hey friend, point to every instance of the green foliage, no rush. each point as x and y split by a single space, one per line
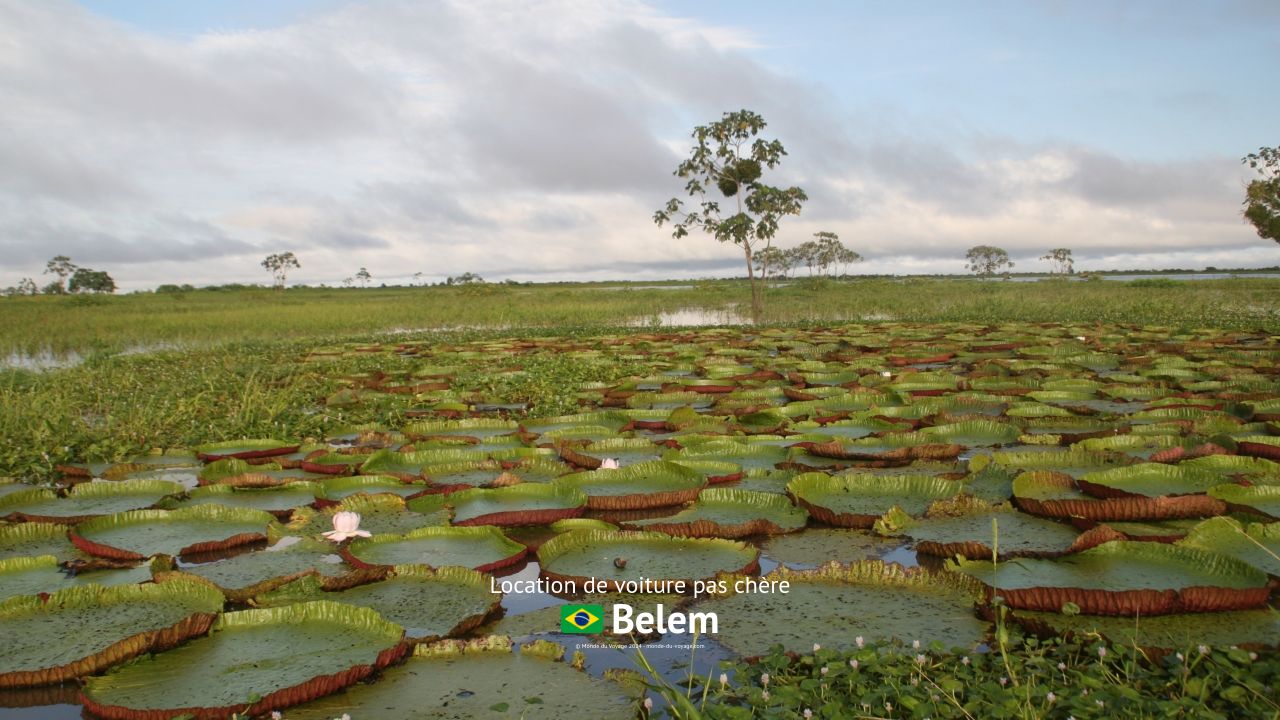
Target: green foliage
729 155
1262 196
279 265
84 280
987 260
1044 679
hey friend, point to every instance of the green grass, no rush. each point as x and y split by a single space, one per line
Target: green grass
85 325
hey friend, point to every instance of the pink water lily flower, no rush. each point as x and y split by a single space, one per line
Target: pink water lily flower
609 464
346 524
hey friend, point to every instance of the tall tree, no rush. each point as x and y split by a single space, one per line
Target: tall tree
279 265
771 258
729 156
61 266
1262 196
364 277
95 281
987 260
1060 261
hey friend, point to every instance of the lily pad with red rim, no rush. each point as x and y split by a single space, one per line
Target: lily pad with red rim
244 449
1126 578
428 603
501 682
83 630
616 557
312 649
636 487
857 500
483 549
892 604
139 534
729 513
515 505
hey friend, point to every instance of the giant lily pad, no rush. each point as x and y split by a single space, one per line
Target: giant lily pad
617 557
139 534
1057 495
819 546
279 501
429 604
340 487
245 575
1254 543
1244 628
43 574
1263 499
312 649
1126 578
729 513
30 539
523 504
1148 480
244 449
83 630
636 487
499 684
857 500
482 548
974 433
891 604
87 500
379 514
973 531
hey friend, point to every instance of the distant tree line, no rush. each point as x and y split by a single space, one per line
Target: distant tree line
69 278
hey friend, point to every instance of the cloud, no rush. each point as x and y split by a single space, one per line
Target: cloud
513 140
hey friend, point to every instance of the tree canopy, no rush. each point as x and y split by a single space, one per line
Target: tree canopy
729 156
279 265
987 260
1262 196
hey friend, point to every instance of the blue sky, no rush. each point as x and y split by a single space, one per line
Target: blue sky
161 139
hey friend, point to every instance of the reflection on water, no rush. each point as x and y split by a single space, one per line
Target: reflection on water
692 317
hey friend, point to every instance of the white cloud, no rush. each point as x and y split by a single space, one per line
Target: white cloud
515 140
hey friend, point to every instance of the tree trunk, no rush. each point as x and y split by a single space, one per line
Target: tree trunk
757 301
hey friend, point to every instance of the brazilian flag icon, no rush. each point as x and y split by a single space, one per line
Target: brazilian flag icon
581 618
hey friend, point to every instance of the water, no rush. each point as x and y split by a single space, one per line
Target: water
1144 276
692 317
45 359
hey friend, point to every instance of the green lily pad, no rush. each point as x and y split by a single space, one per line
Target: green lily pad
138 534
856 500
511 506
1149 480
245 575
1244 628
636 487
82 630
819 546
340 487
891 603
972 534
1264 499
42 574
244 449
88 500
30 539
1254 543
276 500
429 604
312 649
974 433
498 683
595 554
729 513
482 548
1126 578
379 514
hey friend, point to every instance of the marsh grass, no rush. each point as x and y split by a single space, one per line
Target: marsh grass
32 325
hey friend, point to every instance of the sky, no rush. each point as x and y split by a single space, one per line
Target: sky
182 142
